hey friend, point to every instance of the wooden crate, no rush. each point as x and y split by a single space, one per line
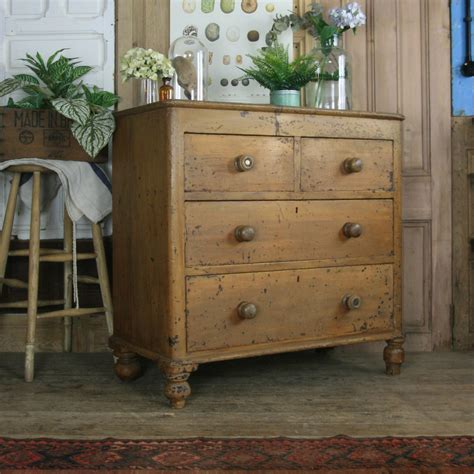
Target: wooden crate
37 133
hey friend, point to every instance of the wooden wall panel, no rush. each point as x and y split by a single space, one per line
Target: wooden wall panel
463 224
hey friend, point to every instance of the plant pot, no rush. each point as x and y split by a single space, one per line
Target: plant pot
285 98
39 133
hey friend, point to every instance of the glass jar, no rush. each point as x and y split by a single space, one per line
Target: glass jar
148 91
333 88
166 90
191 61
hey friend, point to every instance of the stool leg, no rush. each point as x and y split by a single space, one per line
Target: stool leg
6 233
103 276
33 274
67 282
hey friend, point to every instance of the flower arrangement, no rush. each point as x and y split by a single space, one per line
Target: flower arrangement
332 86
55 83
340 20
140 63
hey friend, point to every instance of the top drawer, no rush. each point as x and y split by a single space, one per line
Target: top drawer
210 163
323 165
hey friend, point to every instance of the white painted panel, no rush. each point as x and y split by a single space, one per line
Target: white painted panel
86 27
27 7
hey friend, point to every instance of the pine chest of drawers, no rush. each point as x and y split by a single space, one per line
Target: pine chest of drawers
242 230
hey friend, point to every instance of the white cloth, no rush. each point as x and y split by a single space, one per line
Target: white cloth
85 193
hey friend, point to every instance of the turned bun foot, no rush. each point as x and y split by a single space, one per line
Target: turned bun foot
394 355
177 388
127 367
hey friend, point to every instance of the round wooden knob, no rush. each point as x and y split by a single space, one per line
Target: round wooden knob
245 233
247 310
352 230
352 165
351 301
244 163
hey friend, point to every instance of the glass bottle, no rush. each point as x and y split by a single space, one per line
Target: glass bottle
191 61
166 90
333 88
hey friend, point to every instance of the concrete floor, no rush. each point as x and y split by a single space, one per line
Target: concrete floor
305 394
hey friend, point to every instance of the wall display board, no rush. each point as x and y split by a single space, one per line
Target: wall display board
230 29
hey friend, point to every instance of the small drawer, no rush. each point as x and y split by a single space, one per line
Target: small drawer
239 232
330 164
238 163
226 311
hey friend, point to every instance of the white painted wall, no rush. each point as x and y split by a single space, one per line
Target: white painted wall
86 27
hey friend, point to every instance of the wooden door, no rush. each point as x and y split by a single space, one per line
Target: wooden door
401 63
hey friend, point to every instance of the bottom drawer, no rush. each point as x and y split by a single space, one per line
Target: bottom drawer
225 311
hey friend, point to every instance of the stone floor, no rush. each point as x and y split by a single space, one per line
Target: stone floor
305 394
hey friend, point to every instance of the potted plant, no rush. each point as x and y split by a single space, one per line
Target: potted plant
273 70
332 87
57 103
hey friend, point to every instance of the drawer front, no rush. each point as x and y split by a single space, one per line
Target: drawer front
210 163
331 165
286 231
290 305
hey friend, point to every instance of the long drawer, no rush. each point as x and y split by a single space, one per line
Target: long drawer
335 164
238 163
225 311
226 233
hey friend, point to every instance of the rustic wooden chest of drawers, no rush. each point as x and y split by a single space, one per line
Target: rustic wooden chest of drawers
242 230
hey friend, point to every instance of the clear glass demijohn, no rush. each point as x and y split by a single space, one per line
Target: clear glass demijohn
191 61
333 88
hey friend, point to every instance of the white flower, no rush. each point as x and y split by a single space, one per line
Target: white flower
145 64
349 17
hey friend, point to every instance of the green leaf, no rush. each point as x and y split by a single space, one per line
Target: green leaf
80 71
8 86
77 110
95 133
26 79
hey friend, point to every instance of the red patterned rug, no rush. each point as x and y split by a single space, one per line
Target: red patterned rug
340 454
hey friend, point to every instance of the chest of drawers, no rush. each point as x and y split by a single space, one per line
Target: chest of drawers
242 230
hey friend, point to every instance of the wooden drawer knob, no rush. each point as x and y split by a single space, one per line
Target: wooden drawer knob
247 310
352 165
351 301
352 230
244 163
245 233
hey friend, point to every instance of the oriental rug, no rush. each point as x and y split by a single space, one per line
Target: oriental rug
338 454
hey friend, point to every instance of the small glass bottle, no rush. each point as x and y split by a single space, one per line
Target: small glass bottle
166 90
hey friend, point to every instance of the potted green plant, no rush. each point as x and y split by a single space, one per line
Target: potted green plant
273 70
55 86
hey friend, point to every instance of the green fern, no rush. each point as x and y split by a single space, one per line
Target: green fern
273 70
56 84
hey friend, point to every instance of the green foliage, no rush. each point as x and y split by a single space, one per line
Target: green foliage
55 83
273 70
312 21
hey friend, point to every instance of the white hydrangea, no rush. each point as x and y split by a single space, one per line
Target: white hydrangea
349 17
143 63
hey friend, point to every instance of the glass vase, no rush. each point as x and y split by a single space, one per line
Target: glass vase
333 88
191 61
148 91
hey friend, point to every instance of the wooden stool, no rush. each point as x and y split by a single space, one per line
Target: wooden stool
37 255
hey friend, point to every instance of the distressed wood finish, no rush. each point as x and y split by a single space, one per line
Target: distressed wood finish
214 168
323 165
463 235
286 230
290 263
291 305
